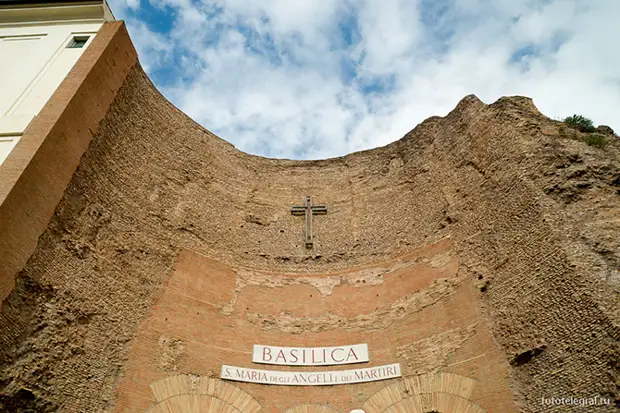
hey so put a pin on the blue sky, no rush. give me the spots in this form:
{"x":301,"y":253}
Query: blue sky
{"x":311,"y":79}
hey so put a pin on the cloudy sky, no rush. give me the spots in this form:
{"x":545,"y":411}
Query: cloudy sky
{"x":311,"y":79}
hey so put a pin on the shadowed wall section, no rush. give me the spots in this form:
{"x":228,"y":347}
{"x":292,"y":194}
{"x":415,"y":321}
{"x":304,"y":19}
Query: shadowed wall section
{"x":470,"y":247}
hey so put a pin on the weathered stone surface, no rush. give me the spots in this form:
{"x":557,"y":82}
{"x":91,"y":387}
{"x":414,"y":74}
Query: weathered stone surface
{"x":477,"y":239}
{"x":605,"y":130}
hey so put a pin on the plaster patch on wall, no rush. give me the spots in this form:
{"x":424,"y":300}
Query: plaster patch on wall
{"x":379,"y":319}
{"x":429,"y":355}
{"x":440,"y":260}
{"x":325,"y":285}
{"x":170,"y":352}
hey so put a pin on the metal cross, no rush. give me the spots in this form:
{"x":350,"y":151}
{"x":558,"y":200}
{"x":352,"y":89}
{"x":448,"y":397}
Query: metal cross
{"x":308,"y":210}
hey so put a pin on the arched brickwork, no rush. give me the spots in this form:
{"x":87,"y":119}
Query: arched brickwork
{"x":441,"y":392}
{"x":193,"y":403}
{"x":172,"y":251}
{"x":196,"y":394}
{"x":434,"y":402}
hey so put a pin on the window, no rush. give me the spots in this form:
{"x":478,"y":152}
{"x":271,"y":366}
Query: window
{"x":77,"y":42}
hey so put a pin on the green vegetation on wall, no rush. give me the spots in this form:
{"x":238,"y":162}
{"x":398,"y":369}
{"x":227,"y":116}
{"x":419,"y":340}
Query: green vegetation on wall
{"x":595,"y":140}
{"x":585,"y":125}
{"x":581,"y":123}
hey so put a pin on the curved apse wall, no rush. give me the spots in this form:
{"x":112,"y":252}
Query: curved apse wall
{"x":461,"y":251}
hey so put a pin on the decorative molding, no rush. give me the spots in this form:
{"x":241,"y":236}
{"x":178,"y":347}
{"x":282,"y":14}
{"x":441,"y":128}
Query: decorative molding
{"x":96,"y":12}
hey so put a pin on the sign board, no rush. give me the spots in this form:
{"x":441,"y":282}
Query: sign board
{"x":315,"y":378}
{"x":310,"y":356}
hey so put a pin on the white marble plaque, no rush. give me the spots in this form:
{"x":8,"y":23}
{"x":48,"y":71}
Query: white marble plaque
{"x":310,"y":356}
{"x":314,"y":378}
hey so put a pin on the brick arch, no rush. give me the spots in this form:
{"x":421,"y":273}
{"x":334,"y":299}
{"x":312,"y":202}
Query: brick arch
{"x":434,"y":402}
{"x":439,"y":392}
{"x":195,"y":394}
{"x":193,"y":403}
{"x":311,"y":408}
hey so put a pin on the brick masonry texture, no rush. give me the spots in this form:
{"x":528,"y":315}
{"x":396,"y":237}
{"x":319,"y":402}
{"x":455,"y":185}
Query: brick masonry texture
{"x":211,"y":314}
{"x":482,"y":244}
{"x":36,"y":173}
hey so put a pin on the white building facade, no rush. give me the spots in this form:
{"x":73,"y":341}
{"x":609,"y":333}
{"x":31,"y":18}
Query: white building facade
{"x":39,"y":44}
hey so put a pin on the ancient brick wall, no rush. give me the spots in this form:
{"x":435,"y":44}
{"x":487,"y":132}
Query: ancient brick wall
{"x":36,"y":173}
{"x":171,"y":253}
{"x":416,"y":310}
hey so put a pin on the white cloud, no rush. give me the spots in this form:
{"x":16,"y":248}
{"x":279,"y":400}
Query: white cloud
{"x":275,"y":77}
{"x":153,"y":48}
{"x":389,"y":30}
